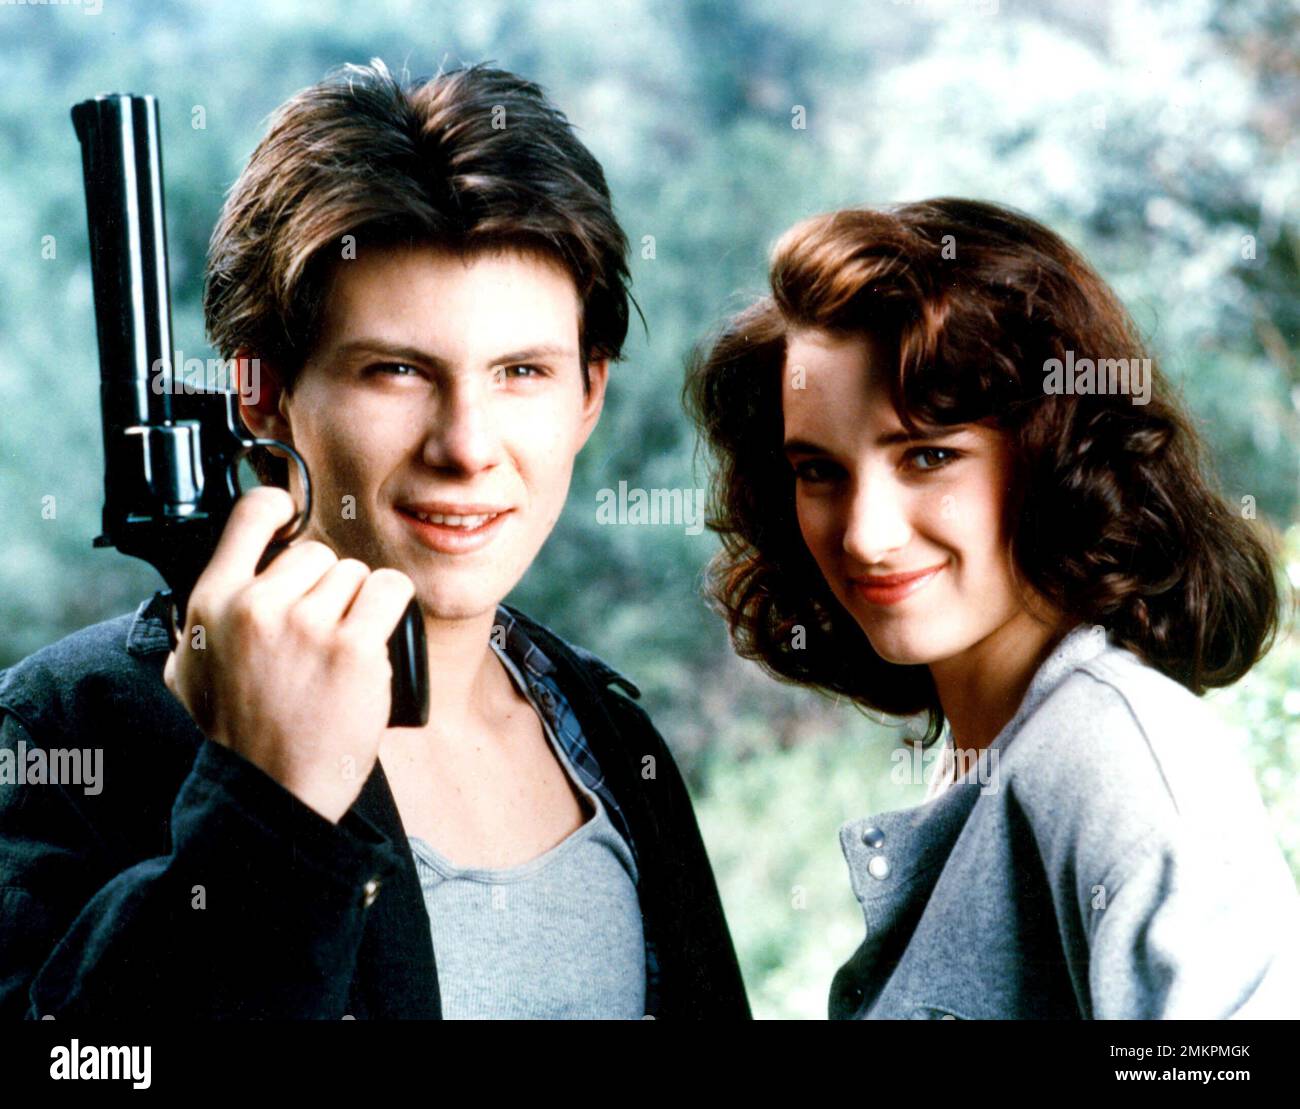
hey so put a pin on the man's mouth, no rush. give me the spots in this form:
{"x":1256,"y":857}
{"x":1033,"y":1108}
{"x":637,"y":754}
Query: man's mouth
{"x":454,"y":521}
{"x":454,"y":529}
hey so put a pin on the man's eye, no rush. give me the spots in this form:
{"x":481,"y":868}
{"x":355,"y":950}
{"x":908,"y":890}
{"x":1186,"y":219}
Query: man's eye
{"x":932,"y":458}
{"x":395,"y":369}
{"x":515,"y":371}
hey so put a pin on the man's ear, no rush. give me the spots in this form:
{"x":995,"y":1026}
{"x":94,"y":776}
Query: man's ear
{"x":594,"y":399}
{"x":262,"y":397}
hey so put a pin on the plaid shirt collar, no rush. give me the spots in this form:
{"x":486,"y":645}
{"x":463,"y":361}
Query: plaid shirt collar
{"x":540,"y":673}
{"x":509,"y":638}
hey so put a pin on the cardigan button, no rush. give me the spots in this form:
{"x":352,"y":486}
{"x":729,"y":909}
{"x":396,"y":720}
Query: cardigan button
{"x":371,"y":891}
{"x":878,"y":867}
{"x":873,"y":836}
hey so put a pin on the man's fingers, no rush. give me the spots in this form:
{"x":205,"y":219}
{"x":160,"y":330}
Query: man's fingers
{"x":303,"y":563}
{"x":379,"y":604}
{"x":328,"y":600}
{"x":253,"y":522}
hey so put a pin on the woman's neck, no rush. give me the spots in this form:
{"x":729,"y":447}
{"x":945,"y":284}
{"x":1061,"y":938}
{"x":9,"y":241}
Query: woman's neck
{"x":981,"y":688}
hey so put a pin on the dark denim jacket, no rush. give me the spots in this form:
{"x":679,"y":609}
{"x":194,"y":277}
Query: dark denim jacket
{"x":192,"y":884}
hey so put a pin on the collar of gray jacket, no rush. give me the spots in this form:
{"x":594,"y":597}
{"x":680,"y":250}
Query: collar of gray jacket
{"x":1079,"y":646}
{"x":920,"y":837}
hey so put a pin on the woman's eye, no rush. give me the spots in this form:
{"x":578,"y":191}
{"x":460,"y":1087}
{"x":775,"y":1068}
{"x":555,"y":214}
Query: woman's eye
{"x":931,"y":458}
{"x":814,"y":471}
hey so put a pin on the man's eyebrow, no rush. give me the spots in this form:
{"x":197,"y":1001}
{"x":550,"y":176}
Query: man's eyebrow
{"x":530,"y":353}
{"x":389,"y":350}
{"x":414,"y":354}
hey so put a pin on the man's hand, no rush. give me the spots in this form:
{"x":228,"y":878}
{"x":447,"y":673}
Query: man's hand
{"x":293,"y":673}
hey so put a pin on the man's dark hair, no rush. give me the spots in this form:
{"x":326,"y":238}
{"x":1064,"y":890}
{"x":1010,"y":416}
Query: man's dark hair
{"x":472,"y":159}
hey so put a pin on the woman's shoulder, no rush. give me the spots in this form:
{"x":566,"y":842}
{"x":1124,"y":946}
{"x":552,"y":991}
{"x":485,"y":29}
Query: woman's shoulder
{"x":1113,"y":710}
{"x":1116,"y":754}
{"x":1141,"y":804}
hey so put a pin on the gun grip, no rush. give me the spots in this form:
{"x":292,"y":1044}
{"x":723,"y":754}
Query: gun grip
{"x":410,"y":688}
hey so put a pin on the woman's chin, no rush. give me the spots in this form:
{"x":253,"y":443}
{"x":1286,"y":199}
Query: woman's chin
{"x":903,"y":648}
{"x":906,"y":657}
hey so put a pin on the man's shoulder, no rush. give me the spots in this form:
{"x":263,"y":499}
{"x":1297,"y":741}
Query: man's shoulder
{"x":105,"y":662}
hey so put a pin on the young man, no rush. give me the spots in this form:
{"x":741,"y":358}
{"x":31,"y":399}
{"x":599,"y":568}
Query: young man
{"x":432,"y":282}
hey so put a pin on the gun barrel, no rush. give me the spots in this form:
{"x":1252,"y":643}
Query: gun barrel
{"x":122,"y":166}
{"x":169,"y":484}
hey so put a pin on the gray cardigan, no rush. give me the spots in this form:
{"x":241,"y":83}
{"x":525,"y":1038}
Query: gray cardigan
{"x":1111,"y":858}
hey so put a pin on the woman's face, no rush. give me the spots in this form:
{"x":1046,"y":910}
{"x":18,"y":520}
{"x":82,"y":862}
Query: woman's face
{"x":907,"y":532}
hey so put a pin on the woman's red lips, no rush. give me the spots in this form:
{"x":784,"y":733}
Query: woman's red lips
{"x":896,"y":579}
{"x":888,"y":589}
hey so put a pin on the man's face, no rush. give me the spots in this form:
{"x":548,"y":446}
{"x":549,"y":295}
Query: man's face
{"x":447,"y":387}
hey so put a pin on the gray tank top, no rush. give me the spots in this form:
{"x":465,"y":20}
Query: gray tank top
{"x":557,"y":937}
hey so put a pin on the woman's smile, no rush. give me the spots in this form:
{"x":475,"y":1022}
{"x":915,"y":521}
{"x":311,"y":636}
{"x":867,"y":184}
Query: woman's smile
{"x":889,"y":589}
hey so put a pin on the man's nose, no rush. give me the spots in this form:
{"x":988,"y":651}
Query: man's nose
{"x":463,"y":439}
{"x":878,"y":521}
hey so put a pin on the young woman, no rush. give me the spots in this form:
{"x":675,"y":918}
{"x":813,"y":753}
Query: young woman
{"x":949,"y":481}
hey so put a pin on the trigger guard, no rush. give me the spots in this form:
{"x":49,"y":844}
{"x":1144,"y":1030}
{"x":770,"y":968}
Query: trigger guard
{"x":300,"y":522}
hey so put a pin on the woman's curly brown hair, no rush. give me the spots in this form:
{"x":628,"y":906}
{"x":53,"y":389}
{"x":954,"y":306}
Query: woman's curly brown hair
{"x":1111,"y":515}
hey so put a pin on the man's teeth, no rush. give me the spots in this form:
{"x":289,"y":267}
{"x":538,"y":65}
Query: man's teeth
{"x":469,"y":522}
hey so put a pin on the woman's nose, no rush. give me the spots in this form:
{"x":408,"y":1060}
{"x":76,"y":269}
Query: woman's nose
{"x":878,"y":522}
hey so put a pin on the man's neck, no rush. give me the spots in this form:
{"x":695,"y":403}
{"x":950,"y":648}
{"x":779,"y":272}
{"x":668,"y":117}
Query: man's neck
{"x":466,"y":680}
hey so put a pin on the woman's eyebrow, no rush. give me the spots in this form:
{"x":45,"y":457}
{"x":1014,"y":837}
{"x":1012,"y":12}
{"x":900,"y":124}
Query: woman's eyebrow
{"x":892,"y":437}
{"x":888,"y":439}
{"x":803,"y":446}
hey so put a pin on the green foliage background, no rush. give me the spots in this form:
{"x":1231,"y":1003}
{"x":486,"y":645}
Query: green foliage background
{"x":1158,"y":136}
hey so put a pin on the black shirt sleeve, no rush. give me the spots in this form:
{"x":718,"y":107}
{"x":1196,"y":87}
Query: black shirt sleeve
{"x":257,"y":910}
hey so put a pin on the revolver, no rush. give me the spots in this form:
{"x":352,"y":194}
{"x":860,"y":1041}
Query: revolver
{"x":171,"y":456}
